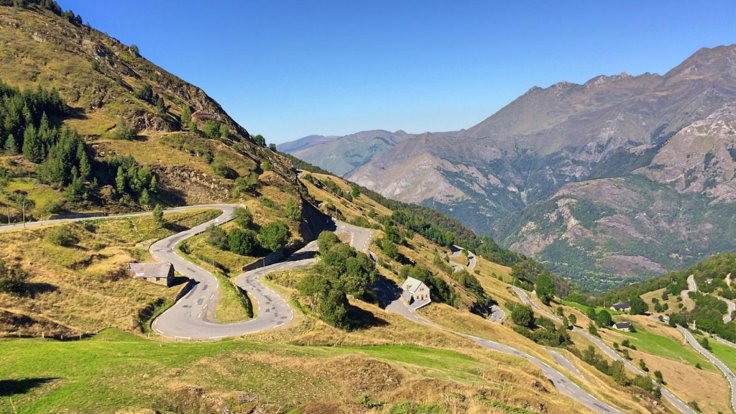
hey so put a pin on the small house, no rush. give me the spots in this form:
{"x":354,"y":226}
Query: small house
{"x":160,"y":273}
{"x":415,"y":293}
{"x":622,"y":326}
{"x":621,"y":307}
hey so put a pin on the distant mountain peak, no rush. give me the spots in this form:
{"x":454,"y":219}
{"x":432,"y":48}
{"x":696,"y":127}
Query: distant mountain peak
{"x":709,"y":63}
{"x":563,"y":171}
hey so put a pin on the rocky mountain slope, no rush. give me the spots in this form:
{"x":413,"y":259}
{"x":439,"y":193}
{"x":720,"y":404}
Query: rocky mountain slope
{"x":622,"y":176}
{"x":129,"y":113}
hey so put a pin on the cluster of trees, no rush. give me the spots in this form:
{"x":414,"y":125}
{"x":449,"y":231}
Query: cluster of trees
{"x":245,"y":241}
{"x":527,"y":272}
{"x":617,"y":371}
{"x":210,"y":127}
{"x":146,"y":93}
{"x":62,"y":155}
{"x":132,"y":181}
{"x":545,"y":288}
{"x":390,"y":242}
{"x":438,"y":288}
{"x":341,"y":271}
{"x":602,"y":318}
{"x":483,"y":301}
{"x":540,"y":330}
{"x":21,"y":110}
{"x":707,"y":316}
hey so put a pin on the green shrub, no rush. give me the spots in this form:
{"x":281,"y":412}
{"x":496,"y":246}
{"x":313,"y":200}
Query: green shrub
{"x":222,"y":170}
{"x":274,"y":235}
{"x":242,"y":242}
{"x":243,"y":217}
{"x":217,"y":237}
{"x":62,"y":236}
{"x":522,"y":315}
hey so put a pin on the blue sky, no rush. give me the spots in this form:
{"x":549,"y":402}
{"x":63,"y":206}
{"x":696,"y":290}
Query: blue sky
{"x":287,"y":69}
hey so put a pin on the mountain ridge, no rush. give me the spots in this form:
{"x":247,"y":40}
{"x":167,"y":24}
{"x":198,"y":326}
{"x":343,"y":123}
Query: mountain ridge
{"x":549,"y":138}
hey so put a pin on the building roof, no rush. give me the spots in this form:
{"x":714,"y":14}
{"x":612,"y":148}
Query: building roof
{"x":621,"y":305}
{"x":145,"y":270}
{"x":411,"y":284}
{"x":623,"y":325}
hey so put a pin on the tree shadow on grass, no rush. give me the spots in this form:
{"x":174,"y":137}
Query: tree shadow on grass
{"x":31,"y":289}
{"x":362,"y":319}
{"x":21,"y":386}
{"x":174,"y":227}
{"x":386,"y":291}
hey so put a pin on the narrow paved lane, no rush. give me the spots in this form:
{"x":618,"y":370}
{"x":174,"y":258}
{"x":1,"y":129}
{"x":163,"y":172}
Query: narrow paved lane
{"x":715,"y":361}
{"x":566,"y":363}
{"x":685,"y":294}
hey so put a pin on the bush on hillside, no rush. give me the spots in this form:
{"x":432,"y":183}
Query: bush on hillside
{"x":274,"y":235}
{"x":62,"y":236}
{"x":242,"y":242}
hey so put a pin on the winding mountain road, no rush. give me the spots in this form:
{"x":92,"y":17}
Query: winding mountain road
{"x":715,"y":361}
{"x":685,"y":294}
{"x":607,"y":350}
{"x":191,"y":317}
{"x":456,"y":251}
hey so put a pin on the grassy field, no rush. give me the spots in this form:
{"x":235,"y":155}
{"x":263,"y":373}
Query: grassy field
{"x":666,"y":348}
{"x":116,"y":371}
{"x":725,"y":353}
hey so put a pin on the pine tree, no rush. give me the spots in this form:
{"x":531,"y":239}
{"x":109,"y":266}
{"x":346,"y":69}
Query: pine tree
{"x":85,"y":167}
{"x":145,"y":198}
{"x":160,"y":105}
{"x":120,"y":181}
{"x":44,"y":130}
{"x":11,"y":146}
{"x":186,"y":116}
{"x":153,"y":185}
{"x":32,"y":146}
{"x":158,"y":215}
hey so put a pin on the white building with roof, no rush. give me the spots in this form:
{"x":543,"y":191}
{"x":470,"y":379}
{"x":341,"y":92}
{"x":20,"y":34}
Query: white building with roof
{"x":415,"y":293}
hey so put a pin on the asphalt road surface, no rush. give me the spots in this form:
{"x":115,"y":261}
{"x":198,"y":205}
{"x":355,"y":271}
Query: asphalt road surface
{"x":691,"y":287}
{"x":564,"y":362}
{"x":715,"y":361}
{"x":455,"y":252}
{"x":731,"y":309}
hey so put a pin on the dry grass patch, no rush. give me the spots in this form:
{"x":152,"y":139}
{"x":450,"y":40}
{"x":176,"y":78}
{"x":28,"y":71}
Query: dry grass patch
{"x":85,"y":287}
{"x":708,"y":387}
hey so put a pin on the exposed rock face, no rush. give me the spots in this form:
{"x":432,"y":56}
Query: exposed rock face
{"x":594,"y":170}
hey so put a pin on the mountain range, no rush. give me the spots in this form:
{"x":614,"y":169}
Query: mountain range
{"x":620,"y":177}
